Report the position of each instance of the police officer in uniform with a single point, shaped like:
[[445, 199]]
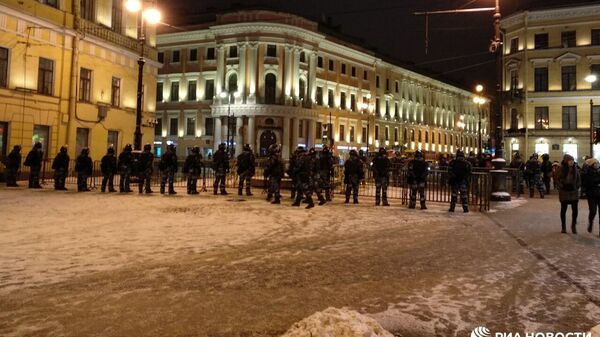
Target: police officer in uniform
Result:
[[246, 165], [534, 173], [108, 166], [168, 168], [274, 170], [459, 173], [146, 169], [125, 165], [315, 177], [221, 168], [60, 165], [34, 160], [353, 174], [298, 152], [193, 168], [303, 170], [381, 169], [326, 171], [418, 170], [84, 168], [13, 164]]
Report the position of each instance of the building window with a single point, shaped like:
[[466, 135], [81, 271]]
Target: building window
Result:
[[209, 89], [376, 132], [233, 52], [343, 69], [3, 67], [569, 118], [112, 139], [352, 134], [377, 106], [117, 16], [568, 39], [365, 75], [377, 81], [363, 135], [387, 108], [330, 98], [353, 72], [209, 126], [193, 55], [85, 84], [175, 56], [541, 79], [270, 89], [397, 111], [115, 92], [596, 115], [514, 45], [342, 133], [301, 89], [387, 84], [45, 76], [301, 129], [192, 90], [210, 53], [173, 126], [158, 127], [319, 131], [232, 83], [174, 91], [161, 57], [87, 10], [595, 69], [595, 37], [387, 133], [514, 119], [541, 118], [51, 3], [541, 41], [190, 126], [353, 102], [514, 80], [397, 86], [396, 135], [569, 78], [343, 100], [271, 50], [302, 57], [159, 91], [320, 61], [82, 137], [331, 65], [320, 95]]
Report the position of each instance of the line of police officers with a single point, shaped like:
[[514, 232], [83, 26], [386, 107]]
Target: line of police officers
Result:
[[310, 174]]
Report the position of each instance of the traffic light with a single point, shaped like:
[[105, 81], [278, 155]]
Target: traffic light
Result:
[[596, 135]]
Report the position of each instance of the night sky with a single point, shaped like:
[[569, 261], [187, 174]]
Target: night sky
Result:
[[389, 27]]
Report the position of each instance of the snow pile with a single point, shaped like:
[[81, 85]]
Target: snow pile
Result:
[[333, 322]]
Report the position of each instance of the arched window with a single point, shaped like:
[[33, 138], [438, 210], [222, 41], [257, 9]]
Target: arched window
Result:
[[302, 89], [412, 135], [303, 57], [426, 137], [420, 136], [270, 88], [405, 135], [232, 83]]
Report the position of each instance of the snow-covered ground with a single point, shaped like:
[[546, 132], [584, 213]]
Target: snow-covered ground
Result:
[[128, 265]]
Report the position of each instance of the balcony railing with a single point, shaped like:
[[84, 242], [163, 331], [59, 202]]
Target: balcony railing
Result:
[[113, 37]]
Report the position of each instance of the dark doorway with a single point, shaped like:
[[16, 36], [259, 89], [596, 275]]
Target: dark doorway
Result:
[[267, 138]]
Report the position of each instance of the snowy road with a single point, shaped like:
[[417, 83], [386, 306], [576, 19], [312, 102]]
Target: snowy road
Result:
[[128, 265]]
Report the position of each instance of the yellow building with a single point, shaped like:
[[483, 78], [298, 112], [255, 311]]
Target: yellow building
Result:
[[548, 57], [292, 83], [68, 75]]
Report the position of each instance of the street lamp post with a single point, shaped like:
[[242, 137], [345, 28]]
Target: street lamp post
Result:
[[152, 15], [230, 118], [368, 108], [479, 100]]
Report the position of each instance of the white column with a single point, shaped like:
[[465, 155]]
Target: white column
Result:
[[219, 80], [287, 78], [285, 150], [312, 78], [295, 127], [310, 141], [239, 123], [242, 73], [218, 132], [296, 74], [251, 133], [252, 71]]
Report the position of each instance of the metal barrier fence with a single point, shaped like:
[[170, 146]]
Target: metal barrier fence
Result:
[[437, 190]]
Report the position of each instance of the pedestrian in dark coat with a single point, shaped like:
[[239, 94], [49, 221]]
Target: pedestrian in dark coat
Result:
[[546, 171], [108, 166], [60, 165], [246, 166], [591, 181], [34, 161], [569, 182], [381, 172], [13, 165], [84, 168]]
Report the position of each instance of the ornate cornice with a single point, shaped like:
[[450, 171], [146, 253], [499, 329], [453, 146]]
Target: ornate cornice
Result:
[[571, 14]]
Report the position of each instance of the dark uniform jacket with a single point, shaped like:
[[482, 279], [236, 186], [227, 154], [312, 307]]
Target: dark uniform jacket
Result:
[[221, 161], [108, 165], [380, 166], [418, 170], [246, 162], [61, 162], [84, 164]]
